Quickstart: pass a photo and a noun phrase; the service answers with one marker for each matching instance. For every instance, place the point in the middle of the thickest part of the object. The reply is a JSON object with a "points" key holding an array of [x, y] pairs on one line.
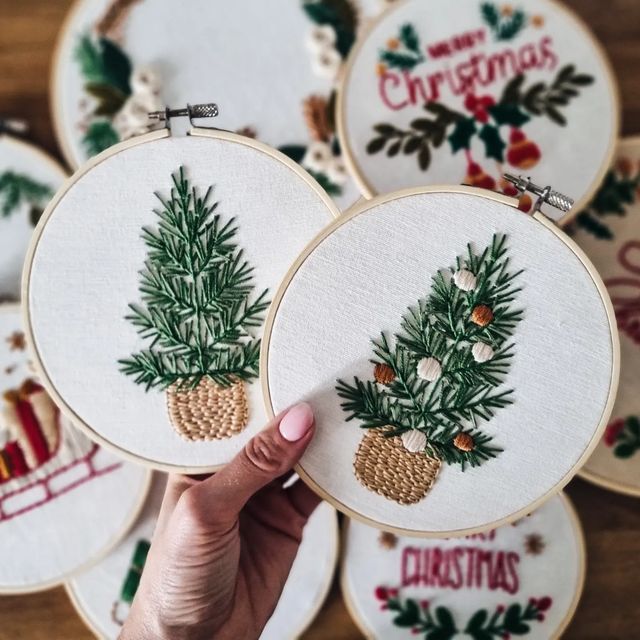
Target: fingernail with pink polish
{"points": [[296, 422]]}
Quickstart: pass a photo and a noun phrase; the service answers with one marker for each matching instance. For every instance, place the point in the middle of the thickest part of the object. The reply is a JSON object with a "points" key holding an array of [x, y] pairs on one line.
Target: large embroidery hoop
{"points": [[285, 187], [570, 29], [557, 509], [94, 593], [38, 172], [271, 96], [611, 256], [56, 498], [322, 315]]}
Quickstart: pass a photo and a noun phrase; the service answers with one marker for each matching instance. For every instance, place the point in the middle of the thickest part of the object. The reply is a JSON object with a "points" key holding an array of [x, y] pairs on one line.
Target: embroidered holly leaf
{"points": [[340, 15], [510, 28], [463, 132], [490, 14], [508, 114], [410, 616], [513, 620], [624, 450], [116, 65], [89, 58], [477, 620], [110, 99], [494, 145], [100, 135], [399, 60], [294, 151], [445, 620], [409, 37]]}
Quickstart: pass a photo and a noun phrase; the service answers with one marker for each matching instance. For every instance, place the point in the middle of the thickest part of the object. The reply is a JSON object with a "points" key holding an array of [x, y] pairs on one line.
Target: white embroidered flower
{"points": [[133, 117], [482, 352], [414, 440], [337, 171], [320, 38], [429, 369], [326, 63], [464, 280], [318, 157], [145, 80]]}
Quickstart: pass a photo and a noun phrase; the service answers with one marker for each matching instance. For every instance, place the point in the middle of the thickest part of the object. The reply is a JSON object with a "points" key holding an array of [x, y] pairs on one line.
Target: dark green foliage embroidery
{"points": [[444, 327], [624, 436], [516, 107], [195, 289], [403, 52], [439, 623], [106, 71], [17, 189], [340, 15], [618, 191], [505, 25]]}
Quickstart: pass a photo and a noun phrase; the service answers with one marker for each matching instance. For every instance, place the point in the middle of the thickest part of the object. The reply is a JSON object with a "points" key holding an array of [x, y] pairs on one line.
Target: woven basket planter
{"points": [[209, 411], [383, 465]]}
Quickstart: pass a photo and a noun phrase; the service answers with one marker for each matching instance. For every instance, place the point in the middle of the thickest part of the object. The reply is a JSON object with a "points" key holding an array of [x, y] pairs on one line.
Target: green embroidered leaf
{"points": [[509, 29], [340, 15], [624, 450], [511, 92], [591, 224], [294, 151], [513, 620], [375, 145], [410, 616], [323, 180], [110, 99], [89, 58], [409, 38], [17, 189], [477, 620], [398, 60], [494, 146], [424, 157], [508, 114], [445, 620], [100, 135], [35, 213], [463, 132], [633, 425], [116, 66], [490, 14], [394, 148]]}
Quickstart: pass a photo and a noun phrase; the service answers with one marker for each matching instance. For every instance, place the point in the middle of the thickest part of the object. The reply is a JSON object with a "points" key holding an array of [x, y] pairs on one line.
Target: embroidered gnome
{"points": [[437, 379], [197, 317]]}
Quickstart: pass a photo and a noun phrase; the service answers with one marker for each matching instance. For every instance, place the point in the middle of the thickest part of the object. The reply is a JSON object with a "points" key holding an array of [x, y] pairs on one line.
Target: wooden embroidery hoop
{"points": [[349, 156], [364, 206], [582, 553], [216, 134], [11, 307], [631, 142], [296, 633]]}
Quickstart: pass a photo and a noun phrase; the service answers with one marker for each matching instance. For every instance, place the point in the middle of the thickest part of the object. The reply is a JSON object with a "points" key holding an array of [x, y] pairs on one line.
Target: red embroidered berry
{"points": [[382, 593], [393, 593], [471, 102], [612, 432], [506, 636], [540, 617], [487, 102], [500, 608], [424, 604], [533, 601], [481, 115], [415, 631], [544, 603], [383, 607]]}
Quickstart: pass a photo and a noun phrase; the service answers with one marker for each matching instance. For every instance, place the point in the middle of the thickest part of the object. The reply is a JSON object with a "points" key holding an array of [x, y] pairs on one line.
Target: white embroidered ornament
{"points": [[28, 179], [197, 231], [414, 440], [64, 501], [494, 403], [527, 574], [450, 93], [610, 235], [273, 65], [102, 594]]}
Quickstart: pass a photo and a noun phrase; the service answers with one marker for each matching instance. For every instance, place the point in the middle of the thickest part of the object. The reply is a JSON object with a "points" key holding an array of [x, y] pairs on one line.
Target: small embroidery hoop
{"points": [[11, 307], [11, 132], [582, 551], [631, 142], [362, 207], [193, 112], [349, 156]]}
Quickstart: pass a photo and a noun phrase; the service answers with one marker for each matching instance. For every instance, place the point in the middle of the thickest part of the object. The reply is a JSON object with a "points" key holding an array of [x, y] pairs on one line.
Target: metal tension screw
{"points": [[207, 110], [546, 195]]}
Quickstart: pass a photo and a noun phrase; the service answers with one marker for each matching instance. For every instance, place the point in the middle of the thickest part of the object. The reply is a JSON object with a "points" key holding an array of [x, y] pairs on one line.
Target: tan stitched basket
{"points": [[383, 465], [209, 411]]}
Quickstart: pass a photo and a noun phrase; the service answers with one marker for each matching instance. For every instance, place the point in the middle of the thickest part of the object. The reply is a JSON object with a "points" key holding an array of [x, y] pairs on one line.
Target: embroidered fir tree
{"points": [[196, 314], [438, 379]]}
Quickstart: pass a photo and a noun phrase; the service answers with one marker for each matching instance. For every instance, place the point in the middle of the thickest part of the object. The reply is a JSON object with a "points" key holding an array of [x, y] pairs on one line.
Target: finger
{"points": [[176, 485], [303, 499], [267, 456]]}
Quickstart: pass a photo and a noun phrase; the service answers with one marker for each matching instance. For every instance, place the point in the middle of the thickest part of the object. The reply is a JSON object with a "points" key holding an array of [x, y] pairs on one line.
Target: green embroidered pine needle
{"points": [[440, 327], [195, 289], [16, 189]]}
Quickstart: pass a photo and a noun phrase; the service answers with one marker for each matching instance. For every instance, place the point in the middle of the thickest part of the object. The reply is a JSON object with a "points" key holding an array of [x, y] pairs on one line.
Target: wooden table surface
{"points": [[610, 607]]}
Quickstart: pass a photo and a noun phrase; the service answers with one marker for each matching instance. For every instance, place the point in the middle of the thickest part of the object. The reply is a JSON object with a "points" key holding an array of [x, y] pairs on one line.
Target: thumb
{"points": [[267, 456]]}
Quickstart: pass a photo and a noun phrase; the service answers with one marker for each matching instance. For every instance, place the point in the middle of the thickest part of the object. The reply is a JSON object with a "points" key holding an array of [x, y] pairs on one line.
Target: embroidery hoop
{"points": [[348, 152], [160, 134], [582, 553], [363, 207], [308, 619], [631, 143], [40, 156], [11, 307]]}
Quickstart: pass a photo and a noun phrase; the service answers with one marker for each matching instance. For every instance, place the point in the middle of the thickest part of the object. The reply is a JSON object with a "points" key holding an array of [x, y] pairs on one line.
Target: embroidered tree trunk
{"points": [[209, 411], [437, 379], [198, 317], [384, 465]]}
